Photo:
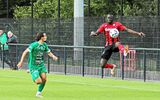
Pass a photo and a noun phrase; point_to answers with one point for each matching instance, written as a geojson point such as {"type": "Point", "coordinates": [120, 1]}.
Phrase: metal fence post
{"type": "Point", "coordinates": [65, 61]}
{"type": "Point", "coordinates": [83, 63]}
{"type": "Point", "coordinates": [3, 56]}
{"type": "Point", "coordinates": [102, 72]}
{"type": "Point", "coordinates": [144, 62]}
{"type": "Point", "coordinates": [122, 66]}
{"type": "Point", "coordinates": [48, 64]}
{"type": "Point", "coordinates": [16, 56]}
{"type": "Point", "coordinates": [102, 68]}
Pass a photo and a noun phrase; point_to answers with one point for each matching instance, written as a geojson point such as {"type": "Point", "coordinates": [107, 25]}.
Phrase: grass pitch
{"type": "Point", "coordinates": [17, 85]}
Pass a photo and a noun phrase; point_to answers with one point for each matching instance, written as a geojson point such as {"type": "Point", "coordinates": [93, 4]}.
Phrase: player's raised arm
{"type": "Point", "coordinates": [94, 33]}
{"type": "Point", "coordinates": [53, 56]}
{"type": "Point", "coordinates": [19, 65]}
{"type": "Point", "coordinates": [134, 32]}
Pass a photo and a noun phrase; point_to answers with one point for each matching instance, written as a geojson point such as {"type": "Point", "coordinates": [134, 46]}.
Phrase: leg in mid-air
{"type": "Point", "coordinates": [112, 67]}
{"type": "Point", "coordinates": [105, 56]}
{"type": "Point", "coordinates": [122, 49]}
{"type": "Point", "coordinates": [104, 64]}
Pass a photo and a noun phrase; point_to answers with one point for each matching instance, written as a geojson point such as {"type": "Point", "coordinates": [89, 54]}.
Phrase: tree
{"type": "Point", "coordinates": [130, 7]}
{"type": "Point", "coordinates": [47, 8]}
{"type": "Point", "coordinates": [11, 6]}
{"type": "Point", "coordinates": [140, 8]}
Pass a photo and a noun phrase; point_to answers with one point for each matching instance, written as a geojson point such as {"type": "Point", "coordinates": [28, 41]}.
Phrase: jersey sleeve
{"type": "Point", "coordinates": [101, 28]}
{"type": "Point", "coordinates": [121, 27]}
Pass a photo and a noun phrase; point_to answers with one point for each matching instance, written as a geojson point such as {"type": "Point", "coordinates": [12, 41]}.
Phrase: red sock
{"type": "Point", "coordinates": [121, 48]}
{"type": "Point", "coordinates": [108, 66]}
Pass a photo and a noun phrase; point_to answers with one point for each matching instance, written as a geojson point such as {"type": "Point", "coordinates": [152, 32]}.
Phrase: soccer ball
{"type": "Point", "coordinates": [114, 33]}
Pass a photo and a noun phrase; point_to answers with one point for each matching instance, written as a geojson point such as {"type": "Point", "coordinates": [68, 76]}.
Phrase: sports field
{"type": "Point", "coordinates": [17, 85]}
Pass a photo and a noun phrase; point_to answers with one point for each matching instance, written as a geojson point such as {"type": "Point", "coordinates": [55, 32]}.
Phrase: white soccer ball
{"type": "Point", "coordinates": [114, 33]}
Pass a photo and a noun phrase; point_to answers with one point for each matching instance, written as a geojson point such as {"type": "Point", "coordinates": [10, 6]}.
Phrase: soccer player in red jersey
{"type": "Point", "coordinates": [112, 44]}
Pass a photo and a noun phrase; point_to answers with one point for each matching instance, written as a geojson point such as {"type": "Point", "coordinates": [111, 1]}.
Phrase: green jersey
{"type": "Point", "coordinates": [36, 56]}
{"type": "Point", "coordinates": [3, 40]}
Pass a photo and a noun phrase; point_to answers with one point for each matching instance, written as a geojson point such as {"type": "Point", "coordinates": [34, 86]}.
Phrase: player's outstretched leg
{"type": "Point", "coordinates": [126, 50]}
{"type": "Point", "coordinates": [112, 67]}
{"type": "Point", "coordinates": [113, 70]}
{"type": "Point", "coordinates": [123, 49]}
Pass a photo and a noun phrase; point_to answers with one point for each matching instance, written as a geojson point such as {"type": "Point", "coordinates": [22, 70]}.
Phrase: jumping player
{"type": "Point", "coordinates": [36, 61]}
{"type": "Point", "coordinates": [112, 44]}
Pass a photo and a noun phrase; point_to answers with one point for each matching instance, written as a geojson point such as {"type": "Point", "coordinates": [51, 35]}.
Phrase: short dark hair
{"type": "Point", "coordinates": [39, 35]}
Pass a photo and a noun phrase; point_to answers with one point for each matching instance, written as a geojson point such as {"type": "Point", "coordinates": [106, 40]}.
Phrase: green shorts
{"type": "Point", "coordinates": [35, 73]}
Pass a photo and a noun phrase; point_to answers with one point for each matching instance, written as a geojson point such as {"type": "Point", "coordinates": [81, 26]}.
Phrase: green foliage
{"type": "Point", "coordinates": [47, 8]}
{"type": "Point", "coordinates": [130, 7]}
{"type": "Point", "coordinates": [141, 8]}
{"type": "Point", "coordinates": [102, 7]}
{"type": "Point", "coordinates": [20, 12]}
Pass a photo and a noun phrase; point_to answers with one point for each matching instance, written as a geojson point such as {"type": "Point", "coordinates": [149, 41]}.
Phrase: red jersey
{"type": "Point", "coordinates": [105, 28]}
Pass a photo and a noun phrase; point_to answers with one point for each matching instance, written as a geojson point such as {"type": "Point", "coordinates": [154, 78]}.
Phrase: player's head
{"type": "Point", "coordinates": [9, 34]}
{"type": "Point", "coordinates": [109, 18]}
{"type": "Point", "coordinates": [41, 36]}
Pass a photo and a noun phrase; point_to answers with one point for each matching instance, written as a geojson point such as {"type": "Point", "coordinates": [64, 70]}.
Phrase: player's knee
{"type": "Point", "coordinates": [44, 80]}
{"type": "Point", "coordinates": [103, 62]}
{"type": "Point", "coordinates": [117, 44]}
{"type": "Point", "coordinates": [38, 81]}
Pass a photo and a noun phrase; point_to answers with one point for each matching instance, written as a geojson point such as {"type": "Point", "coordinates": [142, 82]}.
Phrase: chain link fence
{"type": "Point", "coordinates": [143, 67]}
{"type": "Point", "coordinates": [62, 34]}
{"type": "Point", "coordinates": [57, 32]}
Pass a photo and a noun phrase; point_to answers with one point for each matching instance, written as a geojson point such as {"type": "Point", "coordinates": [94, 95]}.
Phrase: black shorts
{"type": "Point", "coordinates": [107, 52]}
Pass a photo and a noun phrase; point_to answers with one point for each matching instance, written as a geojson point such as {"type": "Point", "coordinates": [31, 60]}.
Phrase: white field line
{"type": "Point", "coordinates": [83, 83]}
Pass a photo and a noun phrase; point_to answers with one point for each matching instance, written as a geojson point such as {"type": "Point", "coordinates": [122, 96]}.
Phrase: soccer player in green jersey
{"type": "Point", "coordinates": [36, 61]}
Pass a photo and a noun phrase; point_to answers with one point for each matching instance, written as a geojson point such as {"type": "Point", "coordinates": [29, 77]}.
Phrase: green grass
{"type": "Point", "coordinates": [17, 85]}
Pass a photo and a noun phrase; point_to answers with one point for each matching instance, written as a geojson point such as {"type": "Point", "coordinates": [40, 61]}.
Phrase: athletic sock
{"type": "Point", "coordinates": [40, 87]}
{"type": "Point", "coordinates": [121, 48]}
{"type": "Point", "coordinates": [108, 66]}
